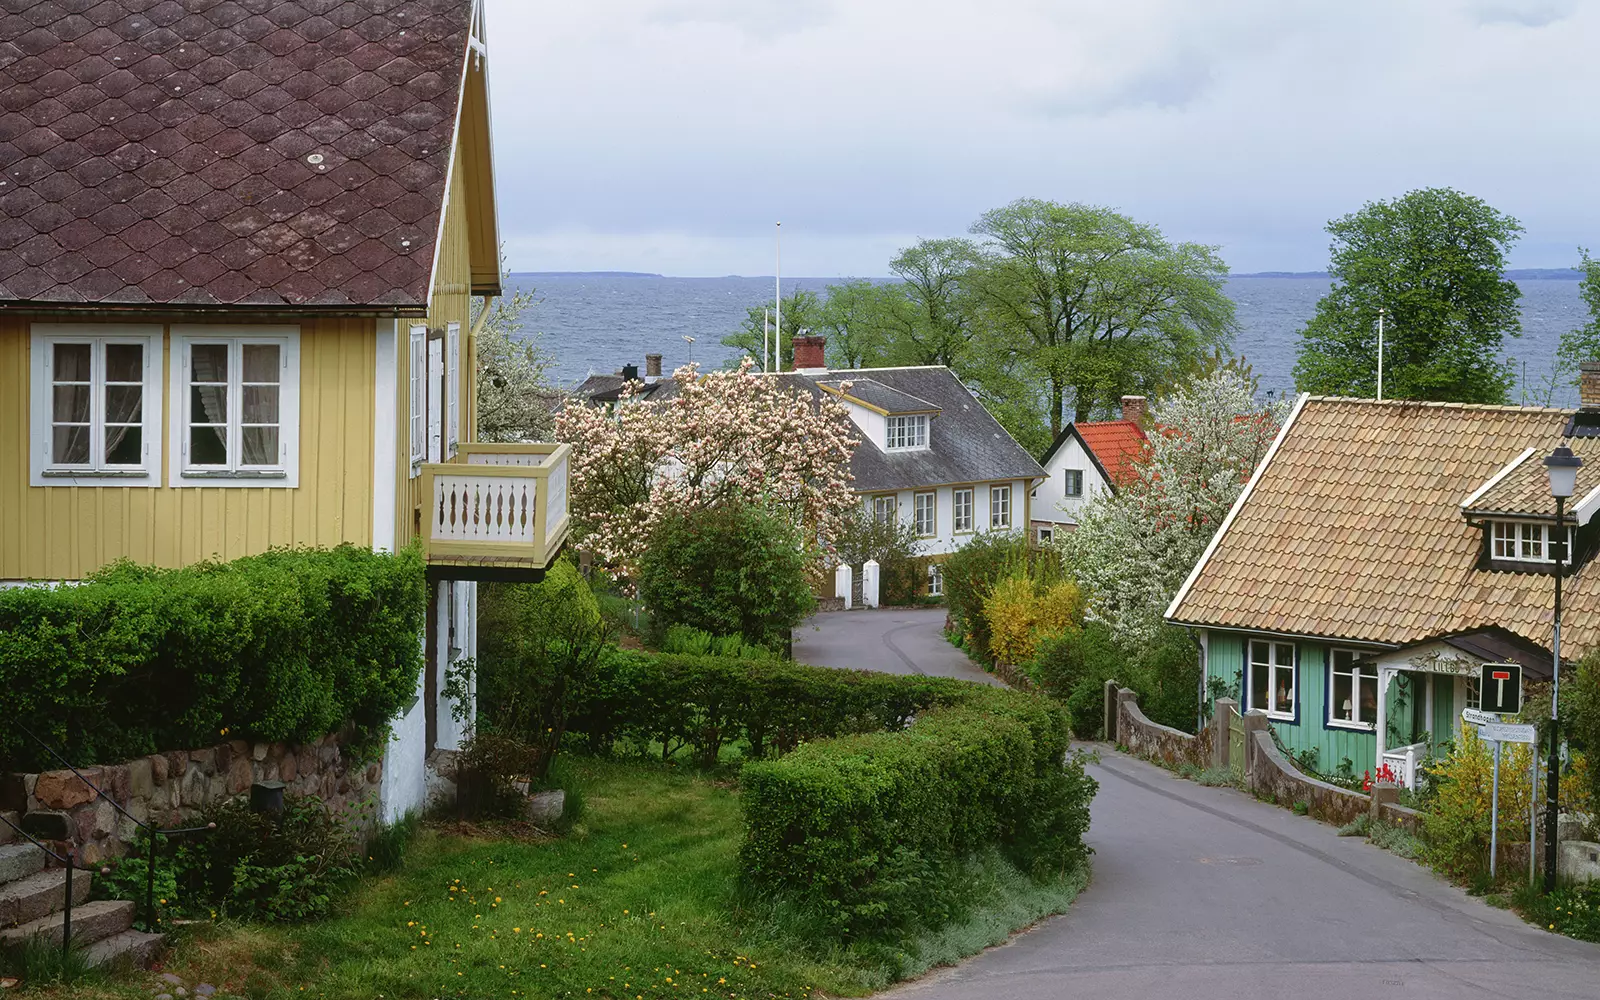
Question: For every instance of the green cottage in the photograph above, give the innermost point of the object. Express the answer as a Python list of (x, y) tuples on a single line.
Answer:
[(1381, 553)]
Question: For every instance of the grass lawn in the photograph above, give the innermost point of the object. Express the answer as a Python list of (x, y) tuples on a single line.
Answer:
[(638, 901)]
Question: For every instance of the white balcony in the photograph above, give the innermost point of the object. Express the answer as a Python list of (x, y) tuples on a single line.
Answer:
[(496, 510)]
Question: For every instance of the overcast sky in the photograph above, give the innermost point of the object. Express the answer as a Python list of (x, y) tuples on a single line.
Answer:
[(669, 135)]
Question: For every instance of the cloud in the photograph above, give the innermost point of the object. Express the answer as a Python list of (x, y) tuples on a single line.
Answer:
[(1528, 15), (758, 18)]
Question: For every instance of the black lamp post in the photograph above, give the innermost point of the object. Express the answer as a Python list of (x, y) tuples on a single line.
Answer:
[(1562, 466)]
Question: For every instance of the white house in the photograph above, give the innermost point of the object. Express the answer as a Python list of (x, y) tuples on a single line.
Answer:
[(1085, 460)]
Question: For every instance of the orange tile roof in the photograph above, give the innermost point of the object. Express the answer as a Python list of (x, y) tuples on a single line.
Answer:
[(1115, 443), (1355, 530)]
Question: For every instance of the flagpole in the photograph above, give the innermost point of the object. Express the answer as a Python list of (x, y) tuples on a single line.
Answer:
[(777, 296), (766, 339), (1380, 354)]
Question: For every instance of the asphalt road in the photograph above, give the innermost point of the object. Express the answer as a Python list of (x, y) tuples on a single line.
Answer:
[(1202, 893), (895, 641)]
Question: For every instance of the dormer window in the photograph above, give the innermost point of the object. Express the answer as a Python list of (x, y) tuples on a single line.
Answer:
[(906, 433), (1524, 541)]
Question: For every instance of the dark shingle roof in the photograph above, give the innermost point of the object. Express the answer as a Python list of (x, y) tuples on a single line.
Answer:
[(245, 152), (879, 396)]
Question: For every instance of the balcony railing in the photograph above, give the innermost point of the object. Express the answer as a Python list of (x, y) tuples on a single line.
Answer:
[(496, 506)]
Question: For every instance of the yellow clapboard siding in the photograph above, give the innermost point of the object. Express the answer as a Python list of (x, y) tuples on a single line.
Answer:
[(67, 532)]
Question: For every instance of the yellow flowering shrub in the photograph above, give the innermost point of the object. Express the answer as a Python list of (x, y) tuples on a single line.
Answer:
[(1020, 615), (1457, 825)]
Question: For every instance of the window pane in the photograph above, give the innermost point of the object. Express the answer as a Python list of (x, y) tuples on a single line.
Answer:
[(124, 404), (70, 446), (208, 446), (261, 404), (1369, 697), (72, 363), (124, 445), (260, 445), (1344, 703), (124, 363), (1260, 682), (208, 404), (1283, 690), (261, 363), (71, 403), (208, 363)]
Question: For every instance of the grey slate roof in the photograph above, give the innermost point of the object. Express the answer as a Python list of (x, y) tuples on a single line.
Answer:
[(965, 443), (876, 394)]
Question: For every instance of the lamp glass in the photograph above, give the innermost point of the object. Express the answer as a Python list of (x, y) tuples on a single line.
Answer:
[(1563, 480)]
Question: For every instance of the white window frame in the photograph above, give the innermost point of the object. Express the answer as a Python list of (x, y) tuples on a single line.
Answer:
[(283, 475), (905, 432), (453, 388), (1274, 666), (43, 471), (1070, 488), (886, 504), (1358, 678), (417, 416), (935, 580), (1046, 535), (957, 495), (926, 502), (1000, 506), (1526, 541)]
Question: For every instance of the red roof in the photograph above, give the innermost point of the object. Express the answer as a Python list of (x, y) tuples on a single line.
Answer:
[(1115, 443), (234, 152)]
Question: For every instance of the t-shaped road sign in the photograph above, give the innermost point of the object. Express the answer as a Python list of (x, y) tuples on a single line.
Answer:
[(1500, 688)]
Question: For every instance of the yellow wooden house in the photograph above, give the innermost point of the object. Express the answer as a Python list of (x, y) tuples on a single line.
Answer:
[(239, 262)]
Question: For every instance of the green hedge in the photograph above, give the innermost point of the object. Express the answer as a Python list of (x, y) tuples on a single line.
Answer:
[(701, 704), (288, 645), (859, 830)]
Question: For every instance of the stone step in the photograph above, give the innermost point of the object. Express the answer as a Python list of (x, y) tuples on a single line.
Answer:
[(20, 860), (131, 948), (8, 833), (40, 895), (90, 922)]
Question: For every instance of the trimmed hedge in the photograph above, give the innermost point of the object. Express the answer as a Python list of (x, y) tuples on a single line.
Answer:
[(858, 831), (705, 703), (289, 645)]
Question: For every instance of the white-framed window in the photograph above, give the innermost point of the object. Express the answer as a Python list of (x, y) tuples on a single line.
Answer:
[(961, 509), (418, 414), (1524, 541), (924, 508), (1352, 691), (885, 509), (1047, 535), (235, 405), (1272, 677), (1072, 480), (906, 433), (935, 580), (1000, 506), (1473, 694), (95, 414), (454, 386)]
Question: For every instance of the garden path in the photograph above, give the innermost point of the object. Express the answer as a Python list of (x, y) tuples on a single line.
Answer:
[(891, 640), (1206, 893)]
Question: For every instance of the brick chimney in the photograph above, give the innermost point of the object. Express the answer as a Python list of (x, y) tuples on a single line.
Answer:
[(1133, 408), (1589, 385), (808, 351), (652, 365)]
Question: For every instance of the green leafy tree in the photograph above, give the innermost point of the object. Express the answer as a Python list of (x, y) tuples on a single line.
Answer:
[(1582, 344), (862, 319), (1434, 260), (801, 312), (1090, 305)]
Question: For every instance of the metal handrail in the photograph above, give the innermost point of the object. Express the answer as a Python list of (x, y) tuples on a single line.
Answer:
[(151, 854), (70, 864)]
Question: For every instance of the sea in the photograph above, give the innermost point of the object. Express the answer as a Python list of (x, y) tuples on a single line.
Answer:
[(596, 322)]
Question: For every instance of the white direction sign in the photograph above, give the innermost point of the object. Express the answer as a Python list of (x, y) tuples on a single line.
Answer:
[(1478, 718), (1508, 733)]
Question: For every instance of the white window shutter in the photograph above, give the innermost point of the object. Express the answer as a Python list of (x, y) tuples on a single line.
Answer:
[(419, 348), (453, 383)]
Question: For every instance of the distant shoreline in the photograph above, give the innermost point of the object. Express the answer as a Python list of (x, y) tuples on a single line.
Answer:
[(1515, 274)]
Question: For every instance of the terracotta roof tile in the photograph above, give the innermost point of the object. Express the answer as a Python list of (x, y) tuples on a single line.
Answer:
[(1116, 443), (158, 152), (1401, 562)]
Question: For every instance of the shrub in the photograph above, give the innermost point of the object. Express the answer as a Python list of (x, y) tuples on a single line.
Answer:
[(730, 569), (902, 576), (1456, 828), (857, 831), (1166, 673), (288, 645), (1021, 613), (1074, 669), (1580, 789), (686, 641), (970, 575)]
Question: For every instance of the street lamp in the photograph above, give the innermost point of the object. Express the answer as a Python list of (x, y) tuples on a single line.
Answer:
[(1562, 466)]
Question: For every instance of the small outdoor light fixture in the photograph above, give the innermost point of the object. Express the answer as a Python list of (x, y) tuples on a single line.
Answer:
[(1563, 466), (267, 797)]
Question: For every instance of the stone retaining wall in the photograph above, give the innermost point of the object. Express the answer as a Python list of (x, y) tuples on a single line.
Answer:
[(1155, 742), (1271, 774), (173, 790)]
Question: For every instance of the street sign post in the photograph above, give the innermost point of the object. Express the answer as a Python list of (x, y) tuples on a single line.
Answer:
[(1505, 732), (1500, 688), (1498, 733), (1478, 717)]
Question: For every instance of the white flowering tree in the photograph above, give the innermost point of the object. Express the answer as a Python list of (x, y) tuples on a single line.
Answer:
[(1133, 549), (720, 436)]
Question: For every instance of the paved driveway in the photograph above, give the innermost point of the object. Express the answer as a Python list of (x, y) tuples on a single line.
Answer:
[(908, 641), (1206, 894)]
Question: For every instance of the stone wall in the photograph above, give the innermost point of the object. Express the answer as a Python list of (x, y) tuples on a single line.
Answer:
[(174, 789), (1271, 775), (1158, 743)]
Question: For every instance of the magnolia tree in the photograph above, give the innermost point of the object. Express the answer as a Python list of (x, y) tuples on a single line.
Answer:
[(719, 436), (1133, 549)]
